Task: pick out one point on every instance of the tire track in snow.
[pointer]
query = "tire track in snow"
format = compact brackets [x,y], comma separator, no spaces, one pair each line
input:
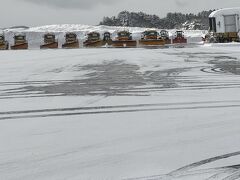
[214,70]
[115,107]
[220,173]
[225,173]
[203,162]
[135,91]
[234,176]
[84,112]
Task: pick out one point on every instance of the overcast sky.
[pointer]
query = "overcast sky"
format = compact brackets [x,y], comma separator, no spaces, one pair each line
[42,12]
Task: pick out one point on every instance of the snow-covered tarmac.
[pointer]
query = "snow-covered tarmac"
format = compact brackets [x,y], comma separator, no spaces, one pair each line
[111,114]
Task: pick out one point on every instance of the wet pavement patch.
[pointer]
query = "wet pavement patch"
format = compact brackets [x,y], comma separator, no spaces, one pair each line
[111,78]
[120,78]
[227,63]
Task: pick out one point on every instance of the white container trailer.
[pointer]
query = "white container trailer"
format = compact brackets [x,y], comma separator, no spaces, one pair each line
[225,24]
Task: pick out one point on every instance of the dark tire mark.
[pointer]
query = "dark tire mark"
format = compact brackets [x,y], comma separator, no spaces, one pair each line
[219,171]
[154,177]
[213,70]
[203,162]
[116,111]
[218,70]
[223,174]
[234,176]
[133,91]
[114,107]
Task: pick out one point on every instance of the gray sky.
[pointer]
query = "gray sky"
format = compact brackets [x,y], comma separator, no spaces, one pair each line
[42,12]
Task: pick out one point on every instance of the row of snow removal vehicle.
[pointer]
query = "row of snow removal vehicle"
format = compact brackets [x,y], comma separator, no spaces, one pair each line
[224,27]
[123,39]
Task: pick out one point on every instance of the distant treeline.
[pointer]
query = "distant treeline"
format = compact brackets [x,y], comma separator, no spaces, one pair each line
[171,21]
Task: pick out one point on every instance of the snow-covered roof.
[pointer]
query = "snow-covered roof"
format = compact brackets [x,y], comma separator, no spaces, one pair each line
[225,11]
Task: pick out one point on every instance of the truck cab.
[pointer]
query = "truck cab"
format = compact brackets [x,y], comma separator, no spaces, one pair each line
[71,37]
[20,39]
[2,39]
[49,38]
[93,36]
[124,35]
[107,36]
[179,34]
[150,34]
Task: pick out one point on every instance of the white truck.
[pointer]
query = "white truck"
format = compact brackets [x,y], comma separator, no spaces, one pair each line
[225,24]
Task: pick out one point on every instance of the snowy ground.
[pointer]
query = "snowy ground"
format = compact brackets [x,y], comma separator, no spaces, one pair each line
[111,114]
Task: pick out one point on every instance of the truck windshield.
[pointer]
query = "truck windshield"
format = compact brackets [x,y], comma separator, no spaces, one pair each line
[71,35]
[164,33]
[94,35]
[49,37]
[179,33]
[19,37]
[123,34]
[151,33]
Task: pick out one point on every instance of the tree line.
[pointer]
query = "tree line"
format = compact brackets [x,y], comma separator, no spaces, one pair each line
[171,21]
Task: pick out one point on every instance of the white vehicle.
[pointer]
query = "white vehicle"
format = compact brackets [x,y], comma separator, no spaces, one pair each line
[225,24]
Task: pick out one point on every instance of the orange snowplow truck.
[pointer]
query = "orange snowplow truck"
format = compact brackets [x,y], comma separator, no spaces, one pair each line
[150,34]
[179,38]
[20,42]
[151,38]
[49,41]
[93,40]
[71,41]
[3,43]
[124,39]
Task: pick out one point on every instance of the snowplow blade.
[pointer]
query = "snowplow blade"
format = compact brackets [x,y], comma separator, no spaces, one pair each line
[19,46]
[124,43]
[49,46]
[168,41]
[179,41]
[93,43]
[4,46]
[154,42]
[71,45]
